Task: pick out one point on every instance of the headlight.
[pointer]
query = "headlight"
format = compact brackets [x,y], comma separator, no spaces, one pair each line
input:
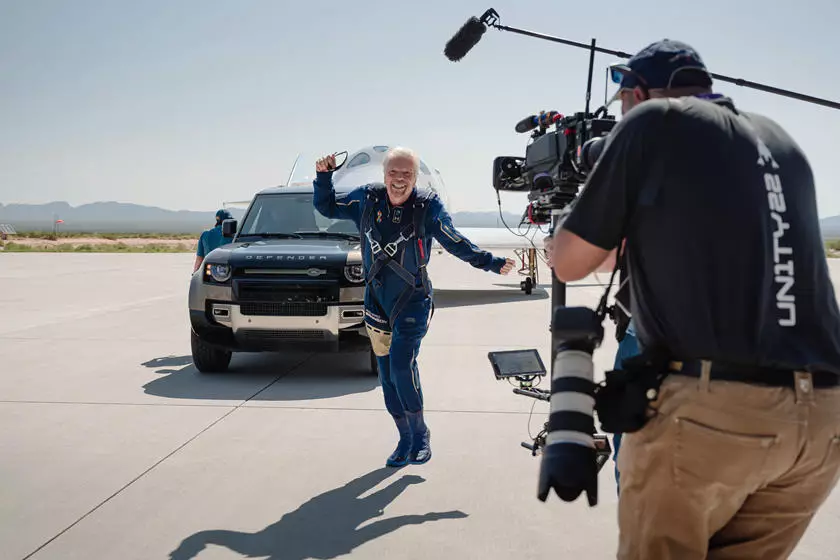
[218,272]
[355,273]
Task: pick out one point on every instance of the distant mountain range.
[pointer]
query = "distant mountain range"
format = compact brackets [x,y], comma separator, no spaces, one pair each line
[830,227]
[118,217]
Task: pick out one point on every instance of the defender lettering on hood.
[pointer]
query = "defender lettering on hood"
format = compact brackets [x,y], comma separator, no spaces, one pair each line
[329,253]
[286,257]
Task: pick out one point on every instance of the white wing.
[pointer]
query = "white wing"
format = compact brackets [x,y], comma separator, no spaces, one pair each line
[501,238]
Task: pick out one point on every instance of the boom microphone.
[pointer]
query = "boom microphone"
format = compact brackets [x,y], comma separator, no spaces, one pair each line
[471,32]
[466,38]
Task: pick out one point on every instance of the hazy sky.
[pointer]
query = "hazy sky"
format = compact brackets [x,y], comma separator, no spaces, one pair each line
[185,104]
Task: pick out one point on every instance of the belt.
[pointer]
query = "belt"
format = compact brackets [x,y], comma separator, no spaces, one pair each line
[757,375]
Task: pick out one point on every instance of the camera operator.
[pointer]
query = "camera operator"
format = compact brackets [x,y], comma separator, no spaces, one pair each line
[734,311]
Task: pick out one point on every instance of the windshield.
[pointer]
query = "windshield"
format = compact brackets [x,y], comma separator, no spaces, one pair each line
[281,214]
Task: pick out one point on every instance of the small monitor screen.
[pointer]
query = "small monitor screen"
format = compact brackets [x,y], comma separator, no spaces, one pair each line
[516,362]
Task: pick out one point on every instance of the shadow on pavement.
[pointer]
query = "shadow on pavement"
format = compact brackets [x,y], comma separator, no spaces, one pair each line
[294,376]
[170,364]
[327,526]
[466,298]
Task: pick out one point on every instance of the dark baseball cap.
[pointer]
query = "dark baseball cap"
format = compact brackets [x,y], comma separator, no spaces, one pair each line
[223,215]
[663,64]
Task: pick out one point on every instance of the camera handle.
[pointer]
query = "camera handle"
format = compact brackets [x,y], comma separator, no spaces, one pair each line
[603,449]
[558,290]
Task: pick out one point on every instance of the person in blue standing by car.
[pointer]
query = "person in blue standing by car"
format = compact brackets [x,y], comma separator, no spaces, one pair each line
[397,221]
[211,238]
[628,347]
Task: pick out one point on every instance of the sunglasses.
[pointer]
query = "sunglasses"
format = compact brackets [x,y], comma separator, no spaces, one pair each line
[619,71]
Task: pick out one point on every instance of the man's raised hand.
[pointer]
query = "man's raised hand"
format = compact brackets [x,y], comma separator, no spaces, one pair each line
[325,164]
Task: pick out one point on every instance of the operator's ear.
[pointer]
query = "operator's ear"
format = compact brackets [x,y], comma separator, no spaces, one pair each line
[574,258]
[640,94]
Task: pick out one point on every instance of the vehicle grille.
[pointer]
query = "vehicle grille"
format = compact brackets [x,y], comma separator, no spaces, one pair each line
[263,309]
[286,293]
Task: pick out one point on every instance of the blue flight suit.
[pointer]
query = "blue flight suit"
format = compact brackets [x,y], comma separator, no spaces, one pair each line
[396,244]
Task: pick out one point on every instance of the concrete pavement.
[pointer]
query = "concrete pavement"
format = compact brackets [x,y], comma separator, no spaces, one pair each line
[112,445]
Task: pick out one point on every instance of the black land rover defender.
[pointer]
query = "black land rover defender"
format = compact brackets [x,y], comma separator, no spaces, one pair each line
[289,279]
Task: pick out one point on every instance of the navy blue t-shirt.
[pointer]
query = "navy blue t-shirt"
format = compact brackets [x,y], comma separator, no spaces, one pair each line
[724,250]
[209,240]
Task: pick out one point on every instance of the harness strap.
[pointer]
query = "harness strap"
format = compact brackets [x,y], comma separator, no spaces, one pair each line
[400,270]
[420,231]
[405,295]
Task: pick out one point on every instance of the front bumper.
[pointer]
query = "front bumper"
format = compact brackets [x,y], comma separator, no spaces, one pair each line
[224,324]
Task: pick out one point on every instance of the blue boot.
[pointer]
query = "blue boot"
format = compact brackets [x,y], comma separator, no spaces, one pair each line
[399,457]
[421,450]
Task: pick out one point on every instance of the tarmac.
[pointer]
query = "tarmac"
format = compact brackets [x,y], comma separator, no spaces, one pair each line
[112,445]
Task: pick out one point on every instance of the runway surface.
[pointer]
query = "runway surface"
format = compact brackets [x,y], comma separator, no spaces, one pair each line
[112,446]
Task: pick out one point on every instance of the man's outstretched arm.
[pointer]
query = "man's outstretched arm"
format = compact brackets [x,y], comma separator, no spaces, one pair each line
[439,222]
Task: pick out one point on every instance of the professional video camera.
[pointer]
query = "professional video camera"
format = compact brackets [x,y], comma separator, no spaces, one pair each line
[556,163]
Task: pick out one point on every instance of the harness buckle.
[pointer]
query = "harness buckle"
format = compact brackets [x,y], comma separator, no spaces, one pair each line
[374,244]
[391,248]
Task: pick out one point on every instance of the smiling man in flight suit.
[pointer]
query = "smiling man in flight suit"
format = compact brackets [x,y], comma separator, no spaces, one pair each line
[397,221]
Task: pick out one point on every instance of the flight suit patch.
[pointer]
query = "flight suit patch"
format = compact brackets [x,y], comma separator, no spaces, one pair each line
[449,233]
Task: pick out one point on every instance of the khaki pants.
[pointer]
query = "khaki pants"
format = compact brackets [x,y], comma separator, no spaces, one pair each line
[727,470]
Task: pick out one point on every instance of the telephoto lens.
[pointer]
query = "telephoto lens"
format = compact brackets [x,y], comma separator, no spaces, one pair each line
[569,460]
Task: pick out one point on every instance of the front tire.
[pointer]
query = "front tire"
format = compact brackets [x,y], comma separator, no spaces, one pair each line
[374,366]
[527,286]
[208,358]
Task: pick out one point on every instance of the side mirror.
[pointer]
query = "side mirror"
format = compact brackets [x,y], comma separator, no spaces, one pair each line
[508,174]
[229,228]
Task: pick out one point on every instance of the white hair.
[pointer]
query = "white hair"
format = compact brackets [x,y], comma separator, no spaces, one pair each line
[399,151]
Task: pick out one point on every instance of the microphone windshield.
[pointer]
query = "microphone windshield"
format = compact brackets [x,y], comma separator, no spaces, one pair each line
[465,39]
[526,124]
